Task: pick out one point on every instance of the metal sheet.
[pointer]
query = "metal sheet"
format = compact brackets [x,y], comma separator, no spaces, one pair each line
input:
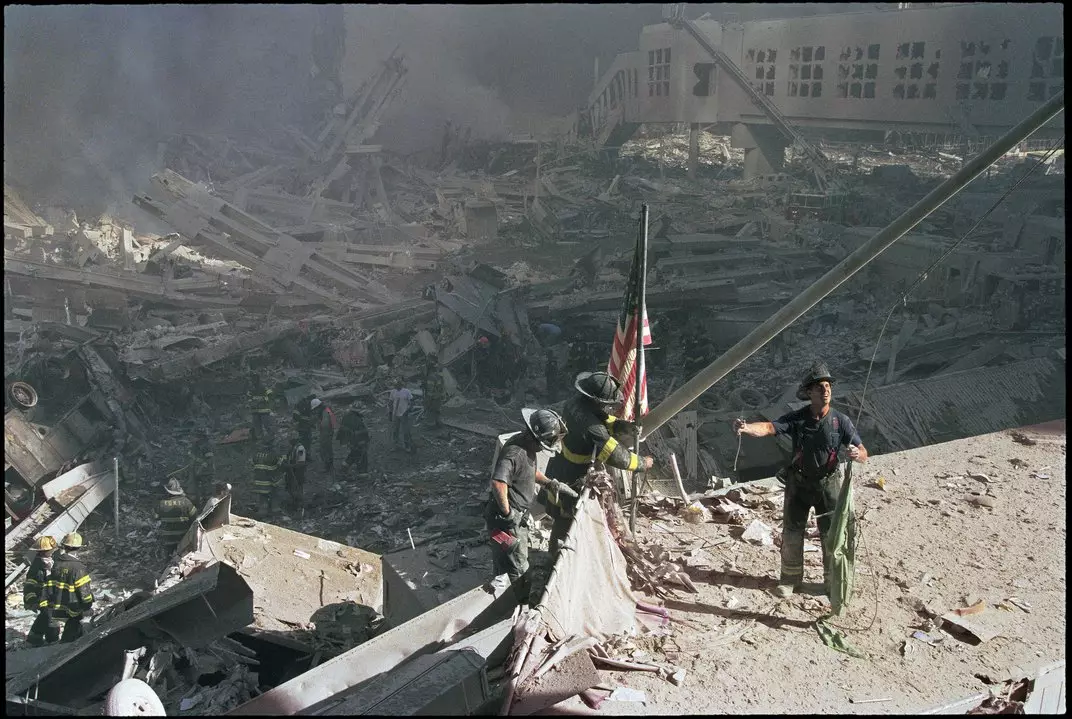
[474,610]
[443,684]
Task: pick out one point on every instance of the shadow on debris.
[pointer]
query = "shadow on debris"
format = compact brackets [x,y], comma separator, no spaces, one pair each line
[770,620]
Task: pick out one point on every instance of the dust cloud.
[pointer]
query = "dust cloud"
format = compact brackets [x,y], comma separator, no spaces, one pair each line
[91,90]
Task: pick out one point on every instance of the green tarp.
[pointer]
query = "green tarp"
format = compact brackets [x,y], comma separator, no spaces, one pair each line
[841,555]
[841,548]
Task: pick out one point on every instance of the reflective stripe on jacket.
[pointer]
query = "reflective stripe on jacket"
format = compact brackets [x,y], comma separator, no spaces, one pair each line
[33,587]
[265,472]
[175,515]
[260,403]
[67,592]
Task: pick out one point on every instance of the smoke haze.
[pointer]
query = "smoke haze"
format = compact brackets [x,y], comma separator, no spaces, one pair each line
[91,90]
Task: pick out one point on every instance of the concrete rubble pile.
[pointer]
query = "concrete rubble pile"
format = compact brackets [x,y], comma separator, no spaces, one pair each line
[335,268]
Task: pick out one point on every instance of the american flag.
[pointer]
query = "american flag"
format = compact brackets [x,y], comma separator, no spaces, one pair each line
[623,353]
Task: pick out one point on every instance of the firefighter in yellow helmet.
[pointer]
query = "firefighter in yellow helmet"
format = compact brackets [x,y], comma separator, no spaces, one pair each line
[33,591]
[68,594]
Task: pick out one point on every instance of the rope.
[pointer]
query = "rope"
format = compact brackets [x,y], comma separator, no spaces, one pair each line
[739,436]
[903,301]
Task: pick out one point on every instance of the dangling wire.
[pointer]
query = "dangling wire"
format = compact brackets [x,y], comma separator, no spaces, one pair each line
[903,302]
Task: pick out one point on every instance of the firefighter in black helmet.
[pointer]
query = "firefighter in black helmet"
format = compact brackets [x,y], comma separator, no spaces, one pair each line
[590,420]
[814,476]
[513,487]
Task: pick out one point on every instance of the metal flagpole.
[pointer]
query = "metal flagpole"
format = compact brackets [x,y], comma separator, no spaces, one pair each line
[638,362]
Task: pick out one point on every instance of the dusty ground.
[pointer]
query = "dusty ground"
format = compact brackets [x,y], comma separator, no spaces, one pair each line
[763,656]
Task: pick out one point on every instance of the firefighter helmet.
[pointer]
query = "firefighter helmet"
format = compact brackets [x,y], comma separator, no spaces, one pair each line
[818,373]
[546,425]
[600,386]
[72,541]
[44,543]
[173,487]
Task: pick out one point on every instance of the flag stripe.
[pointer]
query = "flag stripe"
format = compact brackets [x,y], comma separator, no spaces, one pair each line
[623,351]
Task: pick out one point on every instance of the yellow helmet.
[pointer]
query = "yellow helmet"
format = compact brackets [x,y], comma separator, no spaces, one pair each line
[73,541]
[44,543]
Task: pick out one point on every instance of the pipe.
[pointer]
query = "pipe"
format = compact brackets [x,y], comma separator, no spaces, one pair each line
[848,267]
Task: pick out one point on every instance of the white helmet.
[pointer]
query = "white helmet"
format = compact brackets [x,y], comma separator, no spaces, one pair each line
[315,403]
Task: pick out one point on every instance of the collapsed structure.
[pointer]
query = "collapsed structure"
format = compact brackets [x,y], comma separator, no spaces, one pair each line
[334,266]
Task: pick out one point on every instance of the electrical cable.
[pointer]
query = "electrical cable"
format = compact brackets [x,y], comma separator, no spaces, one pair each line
[903,301]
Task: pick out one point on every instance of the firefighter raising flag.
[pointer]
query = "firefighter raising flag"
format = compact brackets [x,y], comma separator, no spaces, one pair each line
[623,354]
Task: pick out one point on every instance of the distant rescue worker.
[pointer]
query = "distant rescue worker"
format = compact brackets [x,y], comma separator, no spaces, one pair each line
[588,417]
[813,477]
[294,468]
[303,423]
[260,406]
[67,592]
[326,425]
[399,411]
[696,349]
[266,476]
[201,469]
[175,513]
[33,599]
[513,487]
[550,375]
[354,433]
[434,393]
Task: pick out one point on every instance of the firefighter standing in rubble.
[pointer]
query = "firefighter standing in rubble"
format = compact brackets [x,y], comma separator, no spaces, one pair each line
[590,422]
[813,477]
[175,512]
[434,393]
[294,466]
[260,406]
[201,468]
[33,588]
[303,423]
[266,477]
[513,487]
[353,432]
[67,592]
[326,424]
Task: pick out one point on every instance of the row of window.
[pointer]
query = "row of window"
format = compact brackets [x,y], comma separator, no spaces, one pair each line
[980,79]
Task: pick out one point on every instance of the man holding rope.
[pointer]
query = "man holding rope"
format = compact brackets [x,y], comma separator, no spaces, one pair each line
[814,476]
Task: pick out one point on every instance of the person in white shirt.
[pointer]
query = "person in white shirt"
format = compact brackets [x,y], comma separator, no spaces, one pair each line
[399,404]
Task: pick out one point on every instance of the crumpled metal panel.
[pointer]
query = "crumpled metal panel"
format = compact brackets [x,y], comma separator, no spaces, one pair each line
[472,611]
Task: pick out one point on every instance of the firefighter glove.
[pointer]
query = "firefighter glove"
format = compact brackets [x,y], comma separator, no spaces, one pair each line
[562,489]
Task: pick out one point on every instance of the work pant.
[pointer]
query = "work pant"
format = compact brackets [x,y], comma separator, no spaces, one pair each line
[42,631]
[402,432]
[266,502]
[261,424]
[801,494]
[169,542]
[358,457]
[513,561]
[431,411]
[72,627]
[327,452]
[296,486]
